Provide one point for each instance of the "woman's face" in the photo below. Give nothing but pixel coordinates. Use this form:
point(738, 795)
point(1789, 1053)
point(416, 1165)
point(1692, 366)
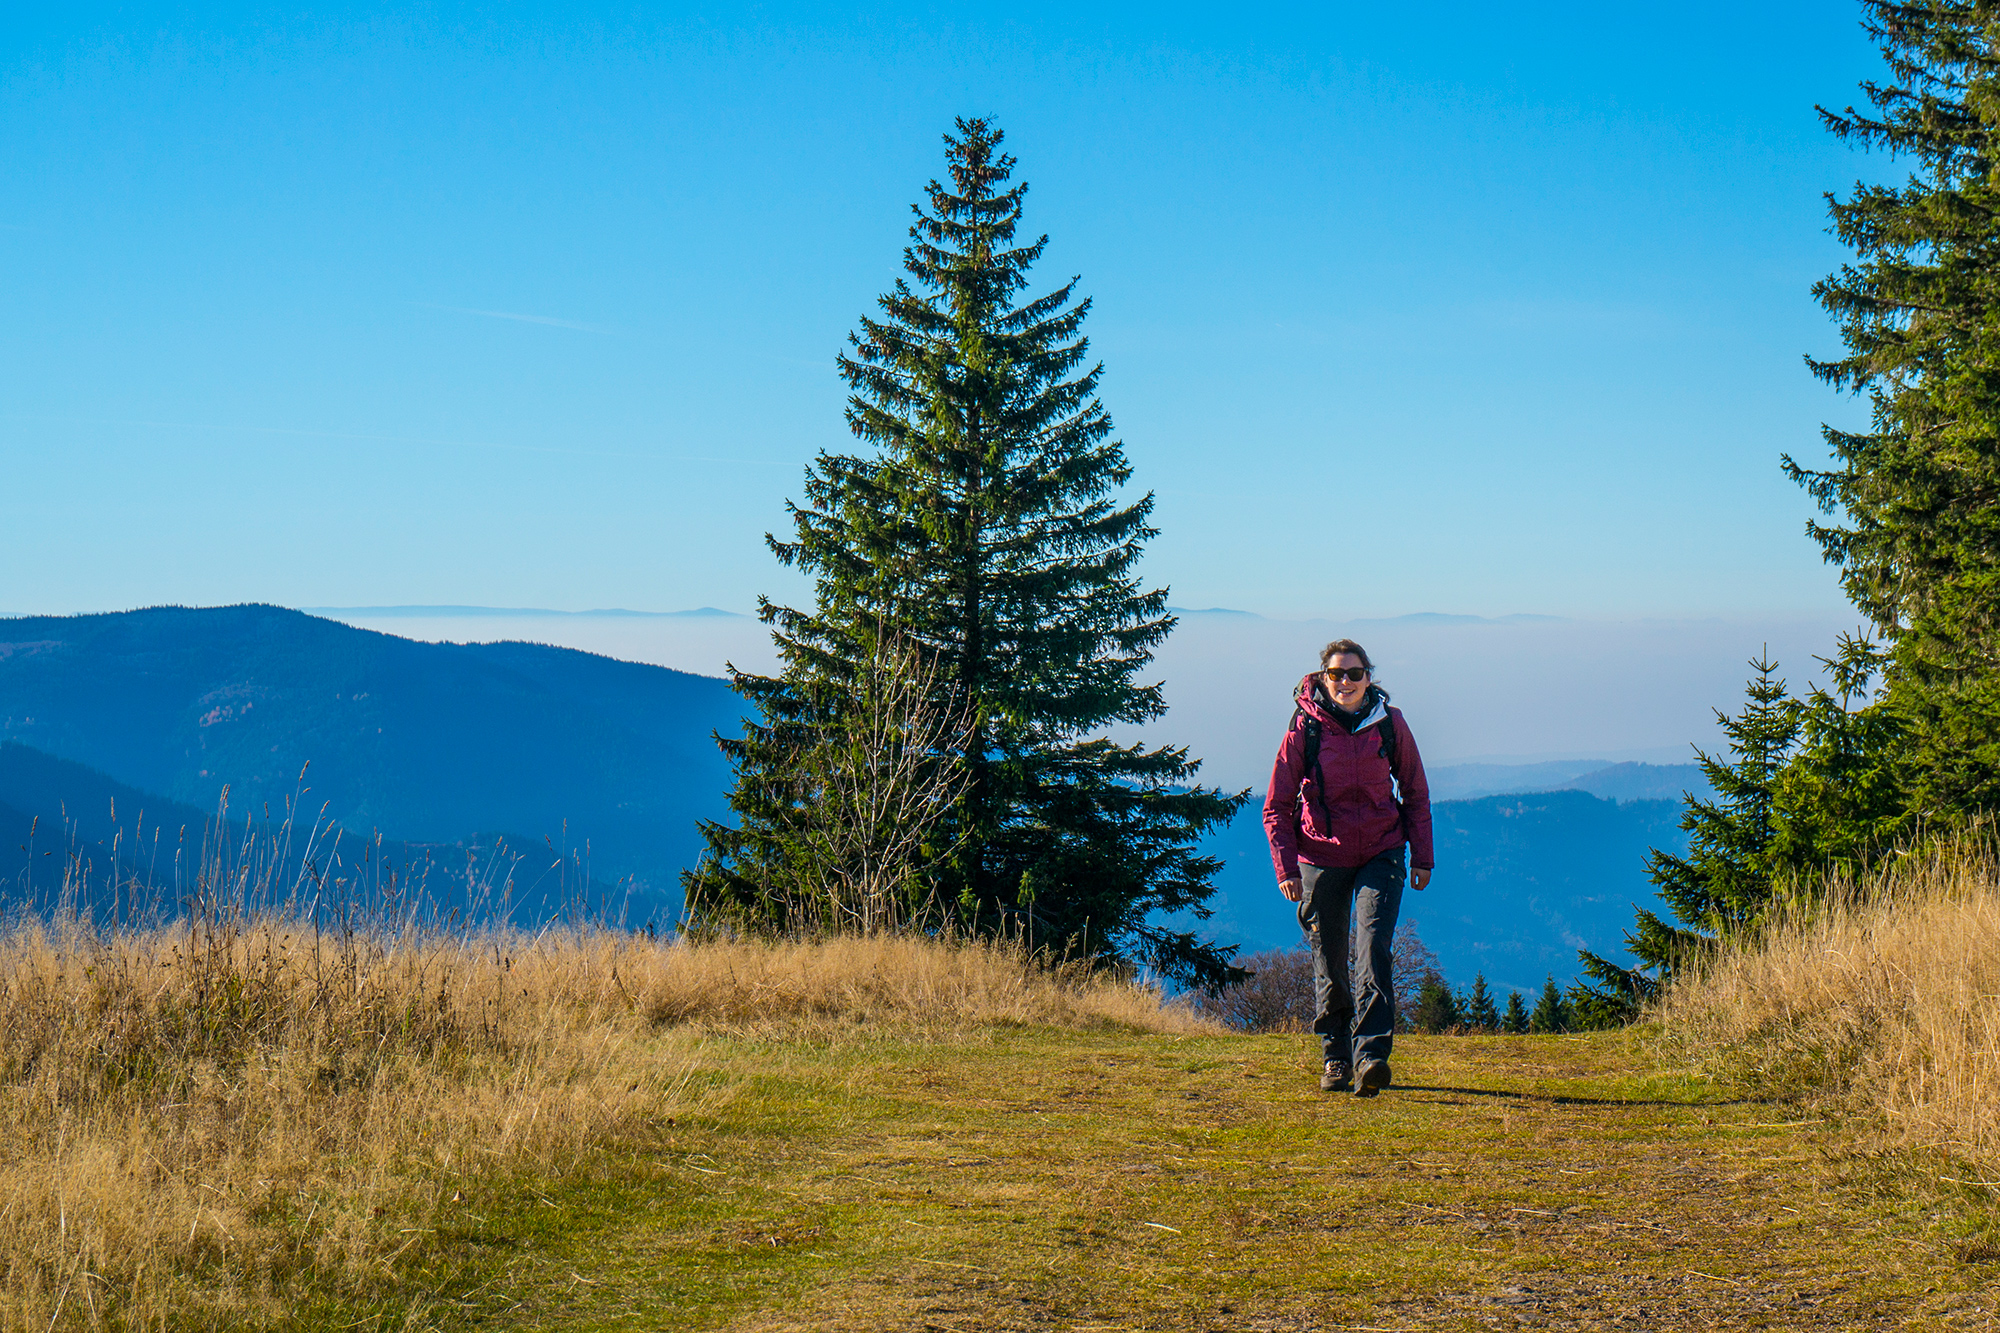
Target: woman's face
point(1346, 693)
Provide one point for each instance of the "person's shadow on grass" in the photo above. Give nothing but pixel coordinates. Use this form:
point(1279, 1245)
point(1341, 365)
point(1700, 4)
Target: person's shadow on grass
point(1556, 1099)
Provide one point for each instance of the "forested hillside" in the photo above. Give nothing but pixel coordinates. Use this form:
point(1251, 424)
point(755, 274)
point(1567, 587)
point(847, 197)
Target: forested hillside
point(422, 742)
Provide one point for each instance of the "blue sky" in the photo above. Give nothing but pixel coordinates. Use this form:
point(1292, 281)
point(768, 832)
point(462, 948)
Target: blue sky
point(1493, 311)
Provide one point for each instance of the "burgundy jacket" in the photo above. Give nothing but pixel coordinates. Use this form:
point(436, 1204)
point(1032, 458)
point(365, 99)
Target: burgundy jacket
point(1357, 799)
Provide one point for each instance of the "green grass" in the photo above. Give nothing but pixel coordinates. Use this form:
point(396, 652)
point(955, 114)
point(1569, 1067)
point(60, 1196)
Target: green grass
point(1029, 1178)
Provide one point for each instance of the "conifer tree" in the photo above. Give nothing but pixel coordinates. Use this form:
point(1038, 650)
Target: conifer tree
point(1611, 995)
point(1843, 774)
point(1436, 1008)
point(1593, 1010)
point(1728, 875)
point(1479, 1010)
point(983, 528)
point(1551, 1011)
point(1919, 551)
point(1515, 1020)
point(1841, 799)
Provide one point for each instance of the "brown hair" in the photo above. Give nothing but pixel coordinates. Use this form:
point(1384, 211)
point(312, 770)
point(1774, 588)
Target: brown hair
point(1339, 646)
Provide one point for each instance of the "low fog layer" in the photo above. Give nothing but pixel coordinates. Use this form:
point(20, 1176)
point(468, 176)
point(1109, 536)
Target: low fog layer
point(1497, 691)
point(1514, 690)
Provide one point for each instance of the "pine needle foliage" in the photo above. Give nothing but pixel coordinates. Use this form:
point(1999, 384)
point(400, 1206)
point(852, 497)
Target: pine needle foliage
point(1613, 1001)
point(1919, 491)
point(983, 526)
point(1515, 1019)
point(1841, 800)
point(1552, 1012)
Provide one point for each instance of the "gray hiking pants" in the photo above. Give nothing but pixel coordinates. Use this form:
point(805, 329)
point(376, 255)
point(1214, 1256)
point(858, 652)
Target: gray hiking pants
point(1370, 895)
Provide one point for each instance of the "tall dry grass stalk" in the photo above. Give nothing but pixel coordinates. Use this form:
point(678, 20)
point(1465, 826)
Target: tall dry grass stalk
point(222, 1119)
point(1883, 995)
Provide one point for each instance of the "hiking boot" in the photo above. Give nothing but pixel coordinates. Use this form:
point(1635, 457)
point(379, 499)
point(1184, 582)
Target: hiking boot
point(1374, 1077)
point(1337, 1078)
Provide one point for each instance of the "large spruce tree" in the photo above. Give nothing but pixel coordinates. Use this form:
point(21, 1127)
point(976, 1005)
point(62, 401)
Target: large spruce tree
point(1919, 311)
point(983, 530)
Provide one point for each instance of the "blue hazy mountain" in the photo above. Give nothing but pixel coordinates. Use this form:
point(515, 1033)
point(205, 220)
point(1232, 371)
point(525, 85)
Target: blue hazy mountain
point(1643, 782)
point(1523, 881)
point(425, 743)
point(514, 612)
point(1464, 782)
point(1617, 782)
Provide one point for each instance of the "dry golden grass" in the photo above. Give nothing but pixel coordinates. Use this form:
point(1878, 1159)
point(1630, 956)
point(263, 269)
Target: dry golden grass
point(894, 978)
point(228, 1121)
point(1884, 996)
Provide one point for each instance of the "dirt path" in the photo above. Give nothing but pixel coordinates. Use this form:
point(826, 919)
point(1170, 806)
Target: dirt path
point(1038, 1180)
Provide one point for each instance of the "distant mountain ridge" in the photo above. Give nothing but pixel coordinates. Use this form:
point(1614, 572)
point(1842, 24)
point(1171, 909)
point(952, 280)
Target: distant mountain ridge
point(476, 612)
point(1618, 782)
point(425, 742)
point(1643, 782)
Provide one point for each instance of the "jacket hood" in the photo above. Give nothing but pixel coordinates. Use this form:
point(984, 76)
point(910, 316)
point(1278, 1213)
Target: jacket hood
point(1309, 699)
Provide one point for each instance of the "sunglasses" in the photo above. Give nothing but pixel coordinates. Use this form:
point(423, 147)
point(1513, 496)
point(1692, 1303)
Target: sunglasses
point(1355, 674)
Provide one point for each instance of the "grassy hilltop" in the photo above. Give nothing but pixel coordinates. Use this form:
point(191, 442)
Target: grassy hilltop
point(249, 1125)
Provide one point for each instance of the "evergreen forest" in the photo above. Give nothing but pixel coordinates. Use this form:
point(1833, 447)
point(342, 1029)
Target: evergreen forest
point(1901, 742)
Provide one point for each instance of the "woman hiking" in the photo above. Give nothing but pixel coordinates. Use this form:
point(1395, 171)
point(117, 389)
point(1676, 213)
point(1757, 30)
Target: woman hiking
point(1347, 794)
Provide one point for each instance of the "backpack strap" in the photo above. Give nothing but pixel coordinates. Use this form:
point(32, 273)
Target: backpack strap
point(1309, 729)
point(1386, 731)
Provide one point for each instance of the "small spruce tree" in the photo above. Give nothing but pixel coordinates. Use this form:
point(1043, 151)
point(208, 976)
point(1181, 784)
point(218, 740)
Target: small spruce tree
point(1479, 1011)
point(1551, 1011)
point(1515, 1020)
point(1842, 799)
point(1726, 879)
point(1437, 1008)
point(1729, 874)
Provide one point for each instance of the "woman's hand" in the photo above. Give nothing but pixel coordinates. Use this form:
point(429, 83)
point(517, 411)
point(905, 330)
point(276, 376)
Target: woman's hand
point(1291, 889)
point(1419, 877)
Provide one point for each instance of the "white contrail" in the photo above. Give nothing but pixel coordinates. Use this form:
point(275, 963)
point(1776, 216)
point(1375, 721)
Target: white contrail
point(550, 320)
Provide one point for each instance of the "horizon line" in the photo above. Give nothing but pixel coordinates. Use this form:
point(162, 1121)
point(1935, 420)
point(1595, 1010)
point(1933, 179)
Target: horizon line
point(443, 612)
